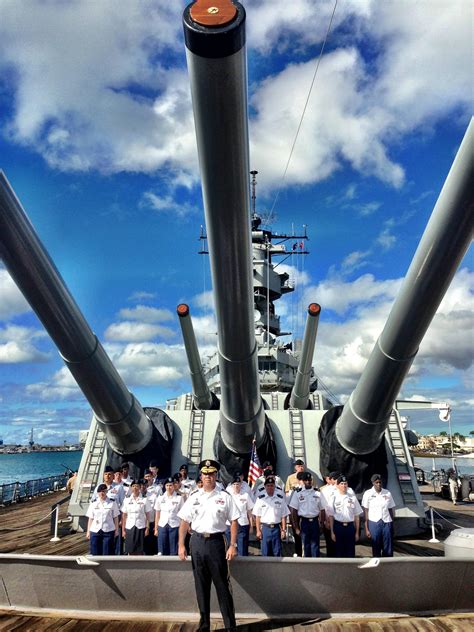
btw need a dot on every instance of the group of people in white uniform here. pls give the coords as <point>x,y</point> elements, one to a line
<point>142,516</point>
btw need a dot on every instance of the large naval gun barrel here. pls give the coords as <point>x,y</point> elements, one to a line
<point>300,393</point>
<point>202,395</point>
<point>126,426</point>
<point>364,419</point>
<point>216,57</point>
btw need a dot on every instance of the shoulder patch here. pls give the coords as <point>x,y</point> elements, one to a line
<point>279,495</point>
<point>195,491</point>
<point>261,496</point>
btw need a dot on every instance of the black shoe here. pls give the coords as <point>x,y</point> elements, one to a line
<point>204,625</point>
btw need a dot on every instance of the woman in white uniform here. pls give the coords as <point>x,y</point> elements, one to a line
<point>166,518</point>
<point>136,511</point>
<point>102,527</point>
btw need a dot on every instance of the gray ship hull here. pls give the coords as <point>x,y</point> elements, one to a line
<point>263,588</point>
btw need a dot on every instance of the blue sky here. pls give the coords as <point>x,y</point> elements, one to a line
<point>97,139</point>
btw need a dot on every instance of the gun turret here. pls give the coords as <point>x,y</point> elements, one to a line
<point>202,396</point>
<point>127,427</point>
<point>215,50</point>
<point>360,428</point>
<point>300,393</point>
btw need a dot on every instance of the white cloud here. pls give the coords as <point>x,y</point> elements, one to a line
<point>167,204</point>
<point>18,345</point>
<point>136,332</point>
<point>146,314</point>
<point>61,387</point>
<point>12,302</point>
<point>138,296</point>
<point>343,348</point>
<point>90,91</point>
<point>341,121</point>
<point>341,296</point>
<point>14,353</point>
<point>386,240</point>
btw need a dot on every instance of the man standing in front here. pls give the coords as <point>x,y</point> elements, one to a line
<point>378,507</point>
<point>208,509</point>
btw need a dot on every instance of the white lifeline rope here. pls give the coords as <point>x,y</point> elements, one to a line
<point>445,519</point>
<point>30,525</point>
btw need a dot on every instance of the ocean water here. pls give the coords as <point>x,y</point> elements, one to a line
<point>32,465</point>
<point>464,465</point>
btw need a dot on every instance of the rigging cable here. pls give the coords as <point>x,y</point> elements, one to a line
<point>282,180</point>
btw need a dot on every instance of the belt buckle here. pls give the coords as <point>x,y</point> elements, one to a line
<point>344,524</point>
<point>311,519</point>
<point>272,526</point>
<point>206,535</point>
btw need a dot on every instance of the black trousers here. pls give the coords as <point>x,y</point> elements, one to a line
<point>210,565</point>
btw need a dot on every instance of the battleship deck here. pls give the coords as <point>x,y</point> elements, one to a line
<point>450,623</point>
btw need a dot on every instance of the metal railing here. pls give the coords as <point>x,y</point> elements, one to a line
<point>15,492</point>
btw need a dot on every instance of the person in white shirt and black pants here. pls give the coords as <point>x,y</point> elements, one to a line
<point>207,510</point>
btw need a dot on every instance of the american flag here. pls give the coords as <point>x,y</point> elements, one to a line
<point>255,469</point>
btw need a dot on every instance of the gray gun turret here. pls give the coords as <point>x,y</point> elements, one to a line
<point>202,396</point>
<point>351,436</point>
<point>215,50</point>
<point>300,393</point>
<point>130,431</point>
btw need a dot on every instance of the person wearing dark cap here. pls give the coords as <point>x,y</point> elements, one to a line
<point>270,513</point>
<point>292,484</point>
<point>327,491</point>
<point>292,481</point>
<point>186,484</point>
<point>244,486</point>
<point>378,507</point>
<point>344,517</point>
<point>259,485</point>
<point>244,501</point>
<point>154,468</point>
<point>126,478</point>
<point>115,491</point>
<point>166,508</point>
<point>151,491</point>
<point>102,527</point>
<point>306,514</point>
<point>208,510</point>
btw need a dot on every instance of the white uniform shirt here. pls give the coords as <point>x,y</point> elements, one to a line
<point>307,502</point>
<point>344,507</point>
<point>327,493</point>
<point>115,491</point>
<point>152,493</point>
<point>378,504</point>
<point>244,503</point>
<point>169,506</point>
<point>271,509</point>
<point>244,488</point>
<point>136,510</point>
<point>102,514</point>
<point>187,486</point>
<point>208,512</point>
<point>259,485</point>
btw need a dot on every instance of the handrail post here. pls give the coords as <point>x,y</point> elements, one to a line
<point>56,538</point>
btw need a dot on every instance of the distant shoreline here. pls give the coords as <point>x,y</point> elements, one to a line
<point>424,455</point>
<point>40,451</point>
